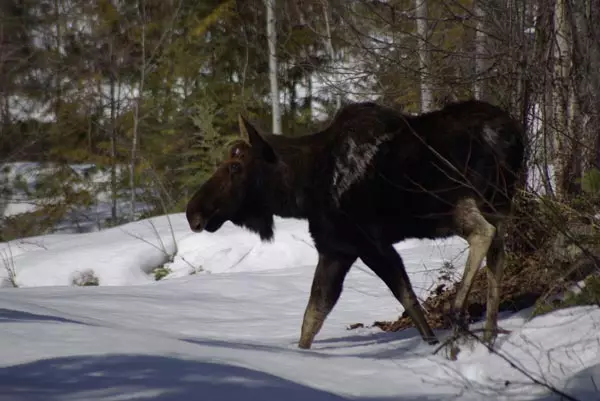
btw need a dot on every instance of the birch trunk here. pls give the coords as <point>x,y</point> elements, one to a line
<point>331,51</point>
<point>479,49</point>
<point>424,56</point>
<point>136,118</point>
<point>113,133</point>
<point>272,39</point>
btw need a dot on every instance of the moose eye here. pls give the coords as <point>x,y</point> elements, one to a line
<point>235,168</point>
<point>236,152</point>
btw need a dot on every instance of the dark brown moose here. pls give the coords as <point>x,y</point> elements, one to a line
<point>372,178</point>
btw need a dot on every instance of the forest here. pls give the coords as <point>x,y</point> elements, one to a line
<point>147,92</point>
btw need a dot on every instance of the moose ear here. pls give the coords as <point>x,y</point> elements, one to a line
<point>257,142</point>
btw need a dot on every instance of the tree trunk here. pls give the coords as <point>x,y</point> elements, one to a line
<point>58,74</point>
<point>309,96</point>
<point>479,49</point>
<point>424,56</point>
<point>136,118</point>
<point>331,51</point>
<point>113,134</point>
<point>293,99</point>
<point>586,62</point>
<point>272,39</point>
<point>561,99</point>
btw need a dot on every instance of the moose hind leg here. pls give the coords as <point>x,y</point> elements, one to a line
<point>495,270</point>
<point>479,233</point>
<point>387,264</point>
<point>325,291</point>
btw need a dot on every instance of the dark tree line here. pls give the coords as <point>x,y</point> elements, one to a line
<point>150,90</point>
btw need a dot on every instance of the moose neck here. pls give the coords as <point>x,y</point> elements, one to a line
<point>298,156</point>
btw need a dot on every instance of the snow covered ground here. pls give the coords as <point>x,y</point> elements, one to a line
<point>225,323</point>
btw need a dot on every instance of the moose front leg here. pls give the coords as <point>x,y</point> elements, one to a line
<point>388,265</point>
<point>326,288</point>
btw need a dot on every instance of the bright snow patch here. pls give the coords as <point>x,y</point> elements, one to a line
<point>229,332</point>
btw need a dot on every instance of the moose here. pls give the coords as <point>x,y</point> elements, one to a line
<point>375,176</point>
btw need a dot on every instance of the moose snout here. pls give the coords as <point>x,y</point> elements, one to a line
<point>195,221</point>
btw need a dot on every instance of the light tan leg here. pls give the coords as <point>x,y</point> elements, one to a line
<point>479,233</point>
<point>495,270</point>
<point>325,291</point>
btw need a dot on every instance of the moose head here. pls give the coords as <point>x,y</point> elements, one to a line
<point>239,189</point>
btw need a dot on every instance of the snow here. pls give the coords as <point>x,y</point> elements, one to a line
<point>224,325</point>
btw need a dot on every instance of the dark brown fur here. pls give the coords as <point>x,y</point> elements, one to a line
<point>372,178</point>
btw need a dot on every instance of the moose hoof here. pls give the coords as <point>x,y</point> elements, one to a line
<point>458,320</point>
<point>449,350</point>
<point>432,340</point>
<point>453,351</point>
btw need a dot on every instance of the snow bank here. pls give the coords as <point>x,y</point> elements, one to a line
<point>127,254</point>
<point>123,255</point>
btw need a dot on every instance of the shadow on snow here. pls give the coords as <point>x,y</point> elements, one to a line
<point>11,315</point>
<point>141,377</point>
